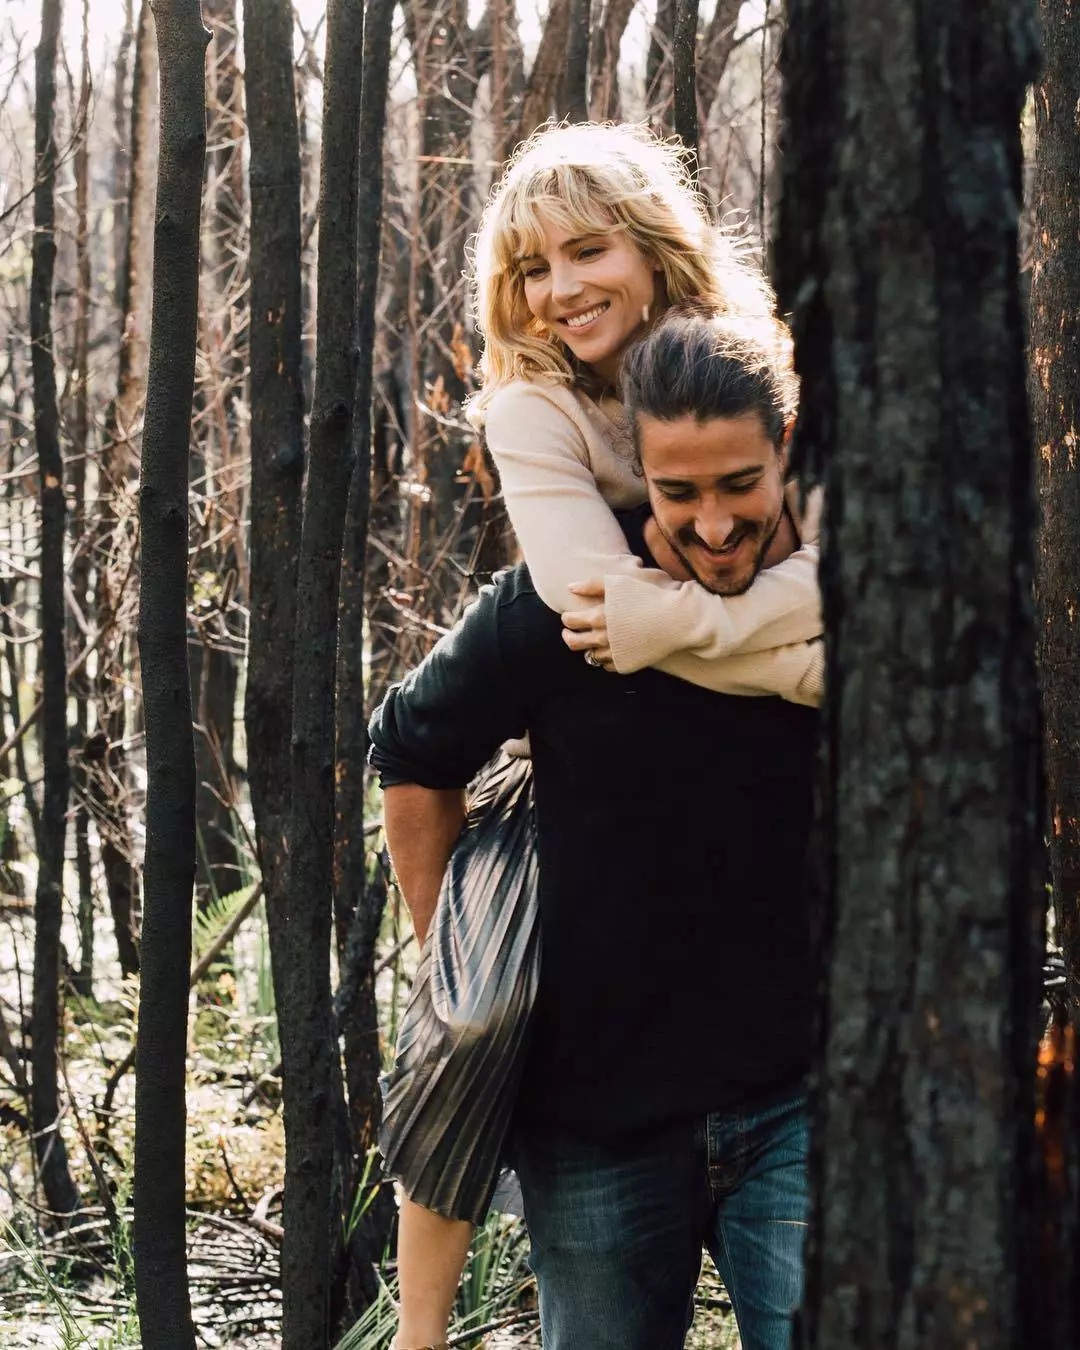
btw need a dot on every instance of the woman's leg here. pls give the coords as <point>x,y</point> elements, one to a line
<point>431,1253</point>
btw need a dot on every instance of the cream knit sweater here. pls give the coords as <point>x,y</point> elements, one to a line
<point>566,462</point>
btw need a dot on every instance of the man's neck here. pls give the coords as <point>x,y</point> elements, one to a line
<point>784,543</point>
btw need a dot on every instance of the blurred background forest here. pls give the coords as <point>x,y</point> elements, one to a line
<point>466,83</point>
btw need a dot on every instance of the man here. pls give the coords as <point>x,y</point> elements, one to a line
<point>662,1103</point>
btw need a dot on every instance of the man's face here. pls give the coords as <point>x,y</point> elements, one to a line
<point>717,494</point>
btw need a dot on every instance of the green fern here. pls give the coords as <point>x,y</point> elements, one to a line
<point>211,919</point>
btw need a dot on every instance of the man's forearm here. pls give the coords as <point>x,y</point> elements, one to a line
<point>422,826</point>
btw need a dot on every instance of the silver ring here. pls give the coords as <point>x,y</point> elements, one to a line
<point>590,660</point>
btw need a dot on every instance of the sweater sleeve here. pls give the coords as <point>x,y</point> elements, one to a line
<point>566,529</point>
<point>650,616</point>
<point>795,672</point>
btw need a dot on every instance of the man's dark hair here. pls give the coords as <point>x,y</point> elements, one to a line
<point>694,363</point>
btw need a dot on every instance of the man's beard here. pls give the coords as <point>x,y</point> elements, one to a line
<point>679,547</point>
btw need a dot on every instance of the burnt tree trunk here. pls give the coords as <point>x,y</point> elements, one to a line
<point>1055,406</point>
<point>574,99</point>
<point>300,929</point>
<point>108,776</point>
<point>60,1191</point>
<point>358,905</point>
<point>277,424</point>
<point>684,74</point>
<point>224,333</point>
<point>83,978</point>
<point>169,874</point>
<point>897,253</point>
<point>121,162</point>
<point>658,66</point>
<point>1054,386</point>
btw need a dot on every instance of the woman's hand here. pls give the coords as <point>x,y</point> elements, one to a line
<point>585,630</point>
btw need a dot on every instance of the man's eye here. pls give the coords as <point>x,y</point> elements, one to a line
<point>674,495</point>
<point>745,487</point>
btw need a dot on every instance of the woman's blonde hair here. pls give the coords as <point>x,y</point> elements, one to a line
<point>592,178</point>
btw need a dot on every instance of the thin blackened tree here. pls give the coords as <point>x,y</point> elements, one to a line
<point>277,424</point>
<point>359,904</point>
<point>897,253</point>
<point>83,979</point>
<point>300,930</point>
<point>169,872</point>
<point>107,769</point>
<point>575,89</point>
<point>658,66</point>
<point>684,73</point>
<point>59,1188</point>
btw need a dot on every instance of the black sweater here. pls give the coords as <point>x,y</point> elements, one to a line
<point>672,830</point>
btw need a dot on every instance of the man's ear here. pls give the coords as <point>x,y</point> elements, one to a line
<point>785,444</point>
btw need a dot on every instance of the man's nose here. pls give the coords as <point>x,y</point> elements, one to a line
<point>714,526</point>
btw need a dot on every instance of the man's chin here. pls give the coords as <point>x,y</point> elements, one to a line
<point>724,581</point>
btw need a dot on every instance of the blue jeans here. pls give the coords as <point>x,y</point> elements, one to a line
<point>617,1230</point>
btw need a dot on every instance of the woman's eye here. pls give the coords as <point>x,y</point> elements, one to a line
<point>594,250</point>
<point>531,273</point>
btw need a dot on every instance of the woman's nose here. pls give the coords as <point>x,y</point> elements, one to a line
<point>565,283</point>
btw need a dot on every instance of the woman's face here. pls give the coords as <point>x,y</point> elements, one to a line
<point>597,292</point>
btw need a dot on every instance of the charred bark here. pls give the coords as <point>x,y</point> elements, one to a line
<point>658,65</point>
<point>277,424</point>
<point>59,1188</point>
<point>1055,405</point>
<point>169,875</point>
<point>1054,387</point>
<point>359,905</point>
<point>897,253</point>
<point>108,777</point>
<point>300,929</point>
<point>83,978</point>
<point>574,97</point>
<point>684,74</point>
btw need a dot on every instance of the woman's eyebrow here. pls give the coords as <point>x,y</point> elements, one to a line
<point>566,243</point>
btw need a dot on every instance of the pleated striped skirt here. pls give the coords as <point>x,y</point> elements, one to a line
<point>448,1100</point>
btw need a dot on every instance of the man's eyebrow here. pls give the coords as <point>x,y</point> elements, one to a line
<point>736,475</point>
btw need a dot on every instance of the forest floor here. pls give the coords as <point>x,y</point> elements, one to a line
<point>63,1291</point>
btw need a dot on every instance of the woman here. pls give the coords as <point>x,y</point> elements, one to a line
<point>592,232</point>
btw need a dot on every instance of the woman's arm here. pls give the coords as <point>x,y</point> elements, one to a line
<point>565,527</point>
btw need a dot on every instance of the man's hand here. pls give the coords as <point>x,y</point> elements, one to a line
<point>422,827</point>
<point>585,630</point>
